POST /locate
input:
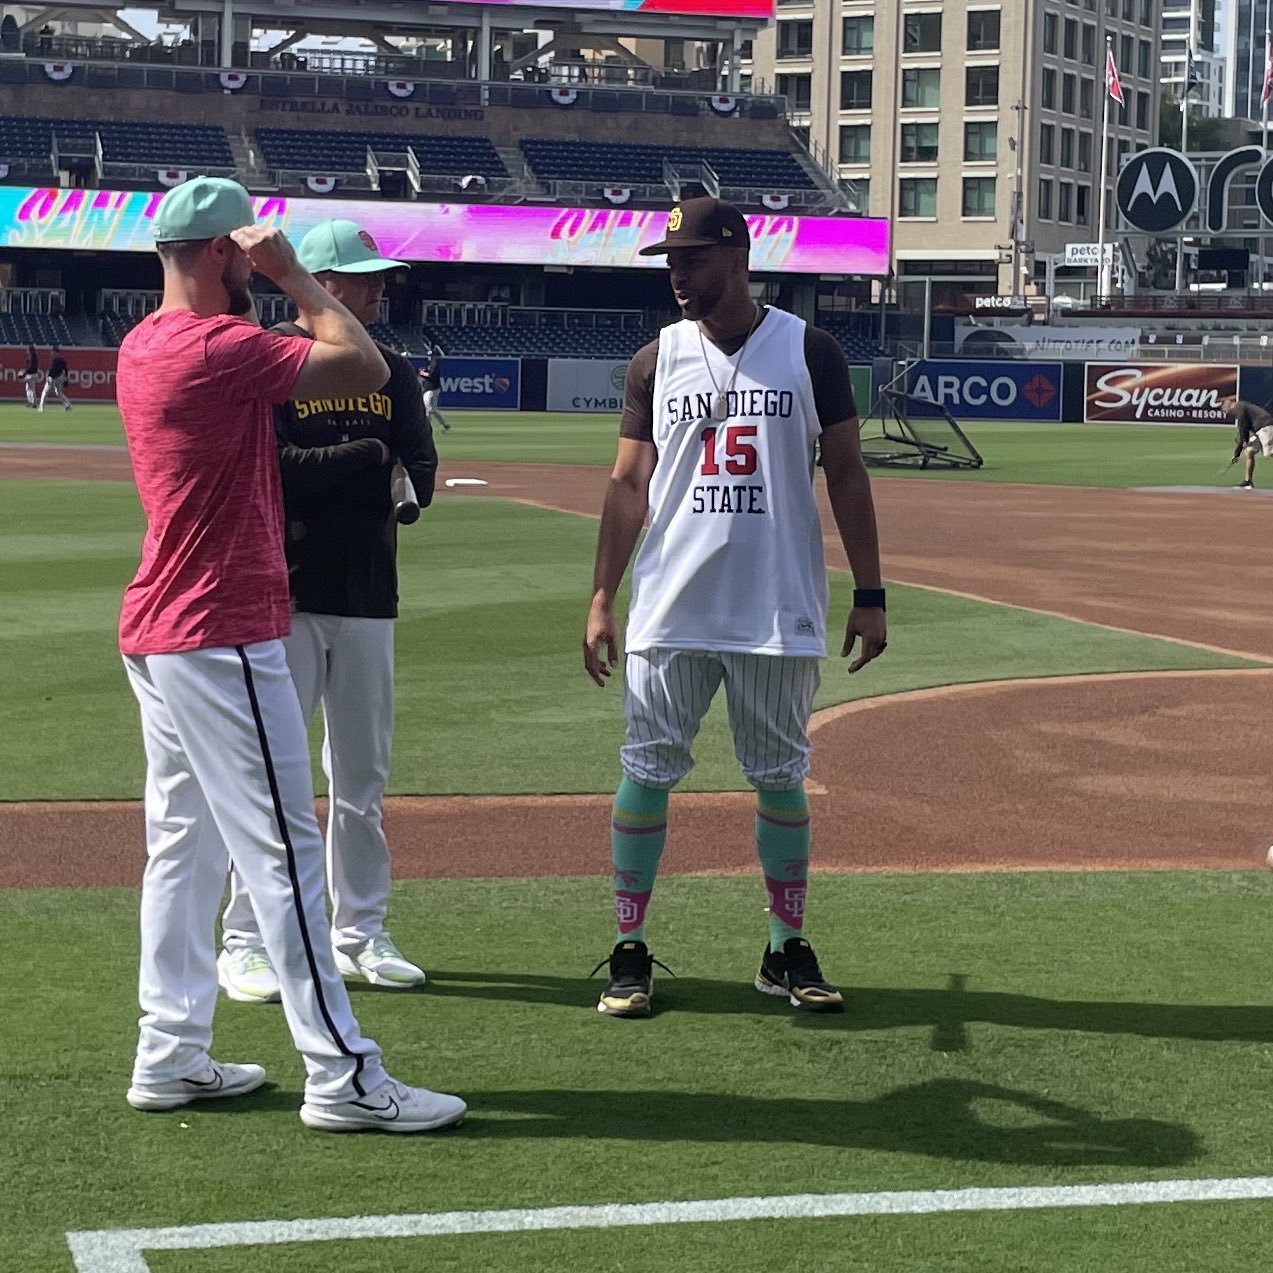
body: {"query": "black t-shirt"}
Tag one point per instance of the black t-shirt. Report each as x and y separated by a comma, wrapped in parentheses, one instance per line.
(57, 367)
(33, 362)
(431, 375)
(342, 536)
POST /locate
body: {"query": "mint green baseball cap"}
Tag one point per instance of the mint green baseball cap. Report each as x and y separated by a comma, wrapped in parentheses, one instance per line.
(202, 208)
(343, 247)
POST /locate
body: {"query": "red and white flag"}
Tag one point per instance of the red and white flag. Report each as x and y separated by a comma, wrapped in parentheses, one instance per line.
(1268, 74)
(1113, 84)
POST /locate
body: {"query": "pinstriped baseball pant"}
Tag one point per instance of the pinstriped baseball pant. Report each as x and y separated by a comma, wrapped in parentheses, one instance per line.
(666, 694)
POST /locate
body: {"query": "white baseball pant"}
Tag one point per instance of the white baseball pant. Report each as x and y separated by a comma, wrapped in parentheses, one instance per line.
(431, 411)
(55, 383)
(30, 382)
(227, 767)
(666, 694)
(346, 664)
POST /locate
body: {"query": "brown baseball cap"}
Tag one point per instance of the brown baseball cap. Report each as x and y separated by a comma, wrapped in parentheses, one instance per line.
(702, 223)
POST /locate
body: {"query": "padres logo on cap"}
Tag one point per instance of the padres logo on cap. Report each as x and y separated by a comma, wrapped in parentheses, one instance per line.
(367, 240)
(674, 219)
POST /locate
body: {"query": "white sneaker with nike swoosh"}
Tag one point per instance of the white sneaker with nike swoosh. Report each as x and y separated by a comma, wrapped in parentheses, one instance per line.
(212, 1082)
(392, 1107)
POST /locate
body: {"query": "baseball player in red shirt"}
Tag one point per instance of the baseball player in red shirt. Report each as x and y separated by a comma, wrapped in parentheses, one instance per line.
(227, 756)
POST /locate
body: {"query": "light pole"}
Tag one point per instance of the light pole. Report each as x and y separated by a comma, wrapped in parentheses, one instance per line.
(1016, 145)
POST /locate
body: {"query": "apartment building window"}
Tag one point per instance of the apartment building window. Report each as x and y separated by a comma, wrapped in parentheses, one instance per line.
(1144, 56)
(1047, 89)
(981, 86)
(860, 194)
(747, 50)
(1045, 199)
(1049, 32)
(919, 143)
(1089, 44)
(1071, 39)
(1125, 47)
(1085, 152)
(1111, 8)
(917, 197)
(855, 90)
(1082, 197)
(1067, 148)
(979, 197)
(859, 36)
(797, 89)
(1087, 96)
(795, 39)
(1142, 111)
(1129, 10)
(1047, 143)
(1065, 201)
(1146, 13)
(981, 140)
(983, 30)
(921, 87)
(921, 33)
(855, 144)
(1068, 85)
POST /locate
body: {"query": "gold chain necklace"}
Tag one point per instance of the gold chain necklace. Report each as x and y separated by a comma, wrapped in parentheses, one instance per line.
(720, 404)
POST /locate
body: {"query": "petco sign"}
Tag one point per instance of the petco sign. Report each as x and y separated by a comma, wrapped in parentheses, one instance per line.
(1157, 393)
(989, 390)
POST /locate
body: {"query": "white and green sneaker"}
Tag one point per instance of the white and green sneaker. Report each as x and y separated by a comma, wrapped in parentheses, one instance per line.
(246, 974)
(380, 962)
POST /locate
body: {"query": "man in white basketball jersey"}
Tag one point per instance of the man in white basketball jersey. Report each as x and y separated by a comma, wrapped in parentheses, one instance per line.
(721, 418)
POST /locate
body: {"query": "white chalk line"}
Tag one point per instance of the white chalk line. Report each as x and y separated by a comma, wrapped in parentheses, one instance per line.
(121, 1250)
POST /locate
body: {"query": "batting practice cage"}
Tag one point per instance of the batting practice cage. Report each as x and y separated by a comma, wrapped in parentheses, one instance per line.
(905, 430)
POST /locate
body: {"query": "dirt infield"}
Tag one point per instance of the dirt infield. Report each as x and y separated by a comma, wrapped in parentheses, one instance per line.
(1148, 770)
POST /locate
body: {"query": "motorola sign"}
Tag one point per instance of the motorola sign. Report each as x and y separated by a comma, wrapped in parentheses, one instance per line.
(1157, 190)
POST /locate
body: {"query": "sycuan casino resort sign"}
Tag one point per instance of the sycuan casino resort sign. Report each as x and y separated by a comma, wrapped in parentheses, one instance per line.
(482, 233)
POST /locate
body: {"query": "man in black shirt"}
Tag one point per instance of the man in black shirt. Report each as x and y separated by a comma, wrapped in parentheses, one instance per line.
(55, 380)
(1254, 434)
(336, 456)
(31, 376)
(431, 388)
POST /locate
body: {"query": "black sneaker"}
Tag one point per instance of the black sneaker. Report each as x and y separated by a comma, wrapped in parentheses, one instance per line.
(793, 971)
(631, 985)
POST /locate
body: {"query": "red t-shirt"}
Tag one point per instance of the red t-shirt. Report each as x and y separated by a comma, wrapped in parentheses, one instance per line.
(196, 395)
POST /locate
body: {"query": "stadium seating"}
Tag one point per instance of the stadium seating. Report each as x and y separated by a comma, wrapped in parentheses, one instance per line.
(35, 329)
(163, 145)
(848, 329)
(604, 162)
(311, 151)
(533, 342)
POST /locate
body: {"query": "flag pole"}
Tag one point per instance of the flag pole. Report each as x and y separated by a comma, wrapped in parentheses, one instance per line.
(1103, 287)
(1184, 150)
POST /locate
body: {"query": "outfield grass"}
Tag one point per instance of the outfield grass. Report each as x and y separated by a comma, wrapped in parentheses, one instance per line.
(1047, 454)
(1004, 1030)
(491, 695)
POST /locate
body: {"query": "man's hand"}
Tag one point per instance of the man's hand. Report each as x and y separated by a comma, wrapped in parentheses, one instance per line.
(269, 251)
(868, 623)
(599, 633)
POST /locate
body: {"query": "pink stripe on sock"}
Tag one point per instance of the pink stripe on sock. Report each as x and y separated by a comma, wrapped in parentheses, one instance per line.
(786, 900)
(783, 822)
(629, 909)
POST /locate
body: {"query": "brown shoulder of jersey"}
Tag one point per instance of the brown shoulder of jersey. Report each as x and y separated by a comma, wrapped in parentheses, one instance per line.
(638, 395)
(829, 371)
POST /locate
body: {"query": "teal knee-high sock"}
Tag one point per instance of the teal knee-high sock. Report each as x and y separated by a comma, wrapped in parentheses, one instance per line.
(782, 843)
(638, 830)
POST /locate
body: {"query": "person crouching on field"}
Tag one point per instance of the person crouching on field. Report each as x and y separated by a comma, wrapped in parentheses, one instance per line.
(1254, 434)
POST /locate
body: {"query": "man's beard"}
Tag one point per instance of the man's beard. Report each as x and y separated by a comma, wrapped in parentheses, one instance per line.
(239, 298)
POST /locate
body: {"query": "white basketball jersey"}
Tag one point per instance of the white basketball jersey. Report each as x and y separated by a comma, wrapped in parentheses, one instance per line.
(733, 557)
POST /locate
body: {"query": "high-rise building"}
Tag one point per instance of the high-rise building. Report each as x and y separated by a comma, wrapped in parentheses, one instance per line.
(947, 116)
(1191, 24)
(1248, 25)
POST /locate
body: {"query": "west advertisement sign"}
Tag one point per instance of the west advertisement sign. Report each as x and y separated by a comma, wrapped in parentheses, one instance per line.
(988, 390)
(1157, 392)
(481, 384)
(586, 384)
(90, 375)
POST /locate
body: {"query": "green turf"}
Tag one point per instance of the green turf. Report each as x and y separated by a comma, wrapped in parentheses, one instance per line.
(491, 695)
(1050, 455)
(1032, 1029)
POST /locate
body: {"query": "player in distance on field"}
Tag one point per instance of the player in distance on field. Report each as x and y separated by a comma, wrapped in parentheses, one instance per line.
(722, 416)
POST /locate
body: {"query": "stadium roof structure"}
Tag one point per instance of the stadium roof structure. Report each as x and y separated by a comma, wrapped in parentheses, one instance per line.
(370, 19)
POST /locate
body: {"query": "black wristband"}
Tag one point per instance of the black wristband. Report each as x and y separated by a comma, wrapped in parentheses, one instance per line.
(868, 598)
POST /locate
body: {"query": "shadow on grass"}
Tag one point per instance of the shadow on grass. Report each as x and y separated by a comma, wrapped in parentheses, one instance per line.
(945, 1011)
(956, 1119)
